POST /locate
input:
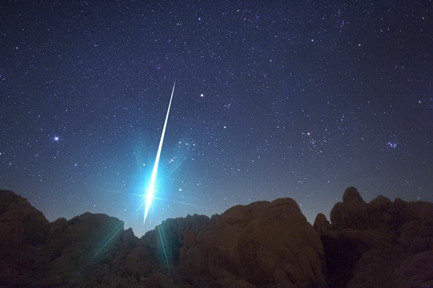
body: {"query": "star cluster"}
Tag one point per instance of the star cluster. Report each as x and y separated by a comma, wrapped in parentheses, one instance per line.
(292, 99)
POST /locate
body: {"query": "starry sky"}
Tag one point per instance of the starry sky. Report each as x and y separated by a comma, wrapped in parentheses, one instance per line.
(273, 99)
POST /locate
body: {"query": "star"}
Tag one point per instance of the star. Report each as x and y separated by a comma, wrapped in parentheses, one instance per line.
(299, 105)
(391, 144)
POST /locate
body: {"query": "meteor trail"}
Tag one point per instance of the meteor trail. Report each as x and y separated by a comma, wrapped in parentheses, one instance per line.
(151, 188)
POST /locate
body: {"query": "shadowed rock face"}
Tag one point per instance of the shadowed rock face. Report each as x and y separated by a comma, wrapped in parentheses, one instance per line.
(264, 244)
(23, 236)
(378, 244)
(259, 245)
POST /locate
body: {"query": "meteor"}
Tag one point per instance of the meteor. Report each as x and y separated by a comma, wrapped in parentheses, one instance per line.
(151, 189)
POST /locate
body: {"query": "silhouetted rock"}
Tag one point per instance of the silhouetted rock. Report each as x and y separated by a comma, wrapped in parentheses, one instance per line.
(264, 244)
(82, 244)
(351, 194)
(378, 244)
(321, 223)
(23, 236)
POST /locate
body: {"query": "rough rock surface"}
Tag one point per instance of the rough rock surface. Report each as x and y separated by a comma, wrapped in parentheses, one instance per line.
(259, 245)
(378, 244)
(23, 236)
(264, 244)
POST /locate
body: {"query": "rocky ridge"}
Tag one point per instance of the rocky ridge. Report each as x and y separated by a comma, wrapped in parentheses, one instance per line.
(264, 244)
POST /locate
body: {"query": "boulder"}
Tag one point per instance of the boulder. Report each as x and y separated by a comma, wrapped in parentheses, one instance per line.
(264, 244)
(377, 244)
(23, 236)
(81, 247)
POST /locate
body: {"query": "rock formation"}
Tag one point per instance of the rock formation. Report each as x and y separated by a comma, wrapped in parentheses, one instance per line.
(378, 244)
(23, 236)
(264, 244)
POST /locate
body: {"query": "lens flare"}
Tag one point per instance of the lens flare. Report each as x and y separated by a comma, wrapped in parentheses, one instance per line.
(151, 189)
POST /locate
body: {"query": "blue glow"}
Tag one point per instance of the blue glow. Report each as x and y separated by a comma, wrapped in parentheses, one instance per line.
(151, 189)
(392, 145)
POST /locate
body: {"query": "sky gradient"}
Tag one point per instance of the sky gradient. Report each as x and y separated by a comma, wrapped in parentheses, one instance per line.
(273, 99)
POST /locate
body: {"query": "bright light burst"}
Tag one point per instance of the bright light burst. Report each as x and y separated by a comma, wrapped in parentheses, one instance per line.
(151, 189)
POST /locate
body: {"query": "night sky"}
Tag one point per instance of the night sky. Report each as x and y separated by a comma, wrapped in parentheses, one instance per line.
(273, 99)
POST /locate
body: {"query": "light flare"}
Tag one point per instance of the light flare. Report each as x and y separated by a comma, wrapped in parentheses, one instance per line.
(151, 189)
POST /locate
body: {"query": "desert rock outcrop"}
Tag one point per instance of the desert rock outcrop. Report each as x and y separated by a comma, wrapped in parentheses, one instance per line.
(378, 244)
(383, 243)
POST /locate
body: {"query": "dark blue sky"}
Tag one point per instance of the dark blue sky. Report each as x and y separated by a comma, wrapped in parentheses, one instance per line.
(273, 99)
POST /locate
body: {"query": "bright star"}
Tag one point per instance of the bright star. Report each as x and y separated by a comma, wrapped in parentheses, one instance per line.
(56, 138)
(392, 145)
